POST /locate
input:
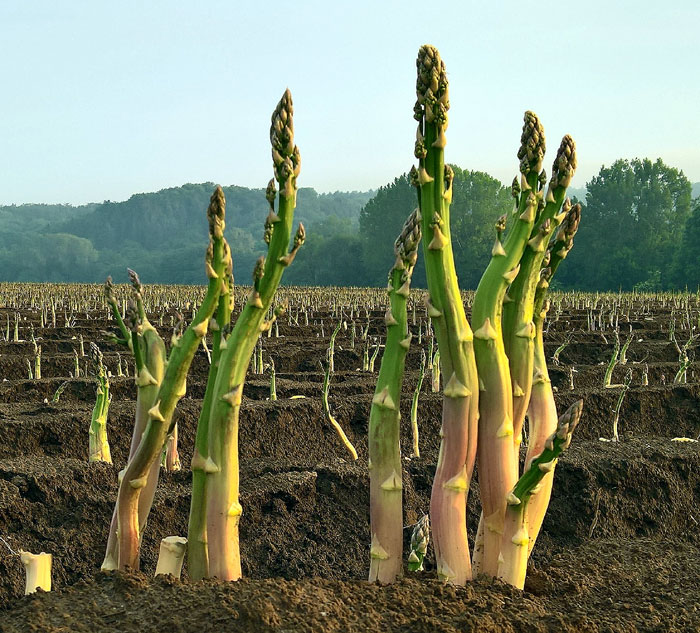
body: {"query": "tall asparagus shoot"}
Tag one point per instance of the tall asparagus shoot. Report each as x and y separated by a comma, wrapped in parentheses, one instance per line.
(197, 553)
(223, 508)
(385, 472)
(498, 463)
(172, 388)
(433, 180)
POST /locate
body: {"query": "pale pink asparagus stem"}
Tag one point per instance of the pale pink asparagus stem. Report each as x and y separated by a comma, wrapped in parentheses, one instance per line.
(448, 506)
(542, 416)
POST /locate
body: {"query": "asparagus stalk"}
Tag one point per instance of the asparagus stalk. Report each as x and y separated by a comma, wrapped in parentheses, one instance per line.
(518, 311)
(197, 552)
(98, 443)
(516, 536)
(433, 180)
(222, 494)
(149, 358)
(542, 411)
(385, 472)
(498, 464)
(325, 390)
(414, 404)
(172, 388)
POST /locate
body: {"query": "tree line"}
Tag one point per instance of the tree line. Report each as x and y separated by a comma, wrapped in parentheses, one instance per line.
(640, 229)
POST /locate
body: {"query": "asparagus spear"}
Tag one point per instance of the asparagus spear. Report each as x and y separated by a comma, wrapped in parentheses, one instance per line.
(223, 508)
(433, 180)
(498, 462)
(516, 536)
(518, 326)
(197, 553)
(385, 472)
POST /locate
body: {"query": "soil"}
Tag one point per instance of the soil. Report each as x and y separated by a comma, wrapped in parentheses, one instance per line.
(619, 549)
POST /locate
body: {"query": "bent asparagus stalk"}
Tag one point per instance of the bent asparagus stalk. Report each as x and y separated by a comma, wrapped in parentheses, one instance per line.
(498, 464)
(433, 179)
(172, 388)
(542, 411)
(385, 472)
(149, 354)
(516, 536)
(223, 507)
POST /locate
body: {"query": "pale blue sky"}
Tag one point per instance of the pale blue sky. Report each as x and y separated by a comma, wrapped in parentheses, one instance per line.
(103, 99)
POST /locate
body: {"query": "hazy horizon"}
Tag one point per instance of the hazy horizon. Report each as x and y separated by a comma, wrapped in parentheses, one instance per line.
(102, 101)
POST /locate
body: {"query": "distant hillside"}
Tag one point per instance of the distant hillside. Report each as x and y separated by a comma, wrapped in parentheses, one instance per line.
(695, 188)
(162, 235)
(36, 217)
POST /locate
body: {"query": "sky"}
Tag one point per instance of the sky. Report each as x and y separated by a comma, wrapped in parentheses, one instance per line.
(103, 99)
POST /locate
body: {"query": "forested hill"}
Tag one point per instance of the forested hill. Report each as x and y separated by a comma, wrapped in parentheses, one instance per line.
(640, 228)
(162, 235)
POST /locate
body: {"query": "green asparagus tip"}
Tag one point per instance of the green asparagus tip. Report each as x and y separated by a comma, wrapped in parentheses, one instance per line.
(564, 164)
(431, 87)
(501, 224)
(419, 543)
(406, 245)
(515, 188)
(569, 226)
(131, 317)
(271, 193)
(300, 236)
(216, 213)
(285, 155)
(109, 289)
(532, 145)
(134, 280)
(568, 422)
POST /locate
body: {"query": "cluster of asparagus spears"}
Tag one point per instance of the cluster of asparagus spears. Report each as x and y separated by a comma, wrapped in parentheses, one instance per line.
(161, 381)
(494, 375)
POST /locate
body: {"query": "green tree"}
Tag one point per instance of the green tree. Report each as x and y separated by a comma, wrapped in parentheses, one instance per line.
(687, 263)
(332, 256)
(633, 222)
(477, 201)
